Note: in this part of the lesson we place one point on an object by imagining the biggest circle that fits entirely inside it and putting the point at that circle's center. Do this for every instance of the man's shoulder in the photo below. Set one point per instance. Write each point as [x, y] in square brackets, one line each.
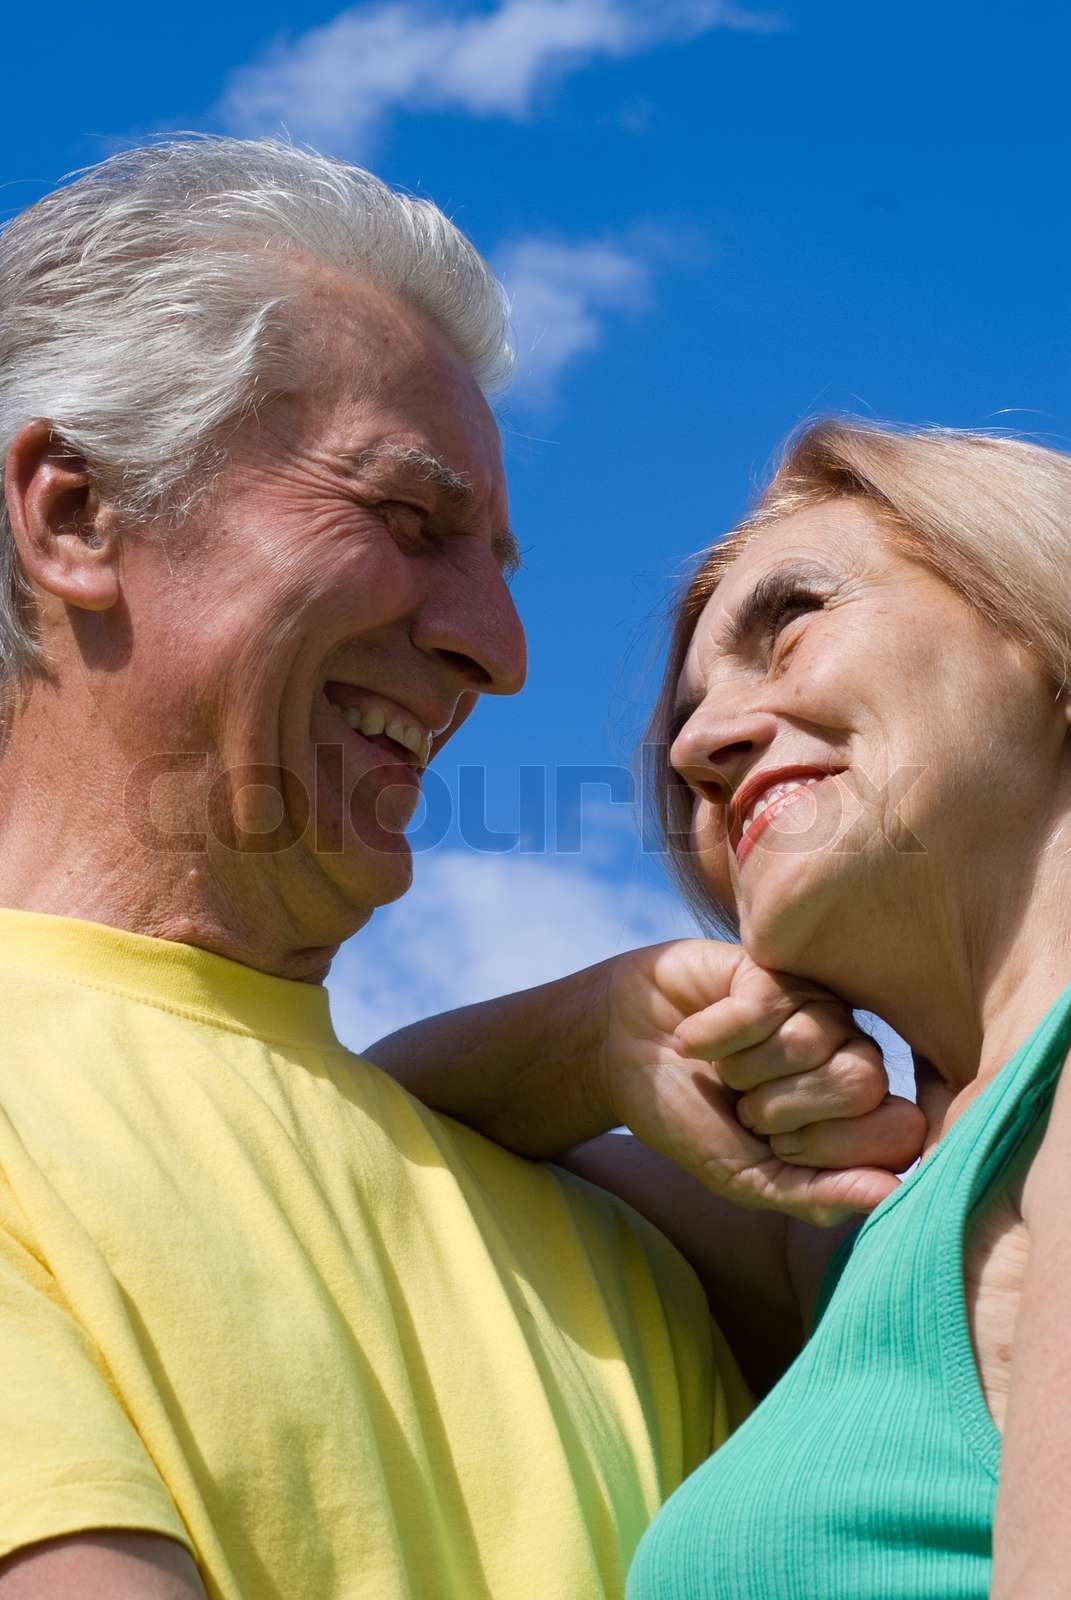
[536, 1199]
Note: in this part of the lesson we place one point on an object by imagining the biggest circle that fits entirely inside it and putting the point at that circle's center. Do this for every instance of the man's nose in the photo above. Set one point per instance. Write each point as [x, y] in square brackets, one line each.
[713, 754]
[472, 626]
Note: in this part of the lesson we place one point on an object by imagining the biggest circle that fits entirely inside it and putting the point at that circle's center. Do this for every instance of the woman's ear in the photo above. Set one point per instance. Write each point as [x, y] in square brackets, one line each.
[66, 547]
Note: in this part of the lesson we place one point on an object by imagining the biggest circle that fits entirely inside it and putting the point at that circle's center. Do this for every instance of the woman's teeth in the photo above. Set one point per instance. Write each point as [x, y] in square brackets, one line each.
[373, 722]
[776, 792]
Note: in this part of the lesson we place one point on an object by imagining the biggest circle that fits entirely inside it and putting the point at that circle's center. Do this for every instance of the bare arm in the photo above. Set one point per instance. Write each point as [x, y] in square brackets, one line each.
[673, 1041]
[758, 1084]
[1032, 1533]
[102, 1566]
[524, 1068]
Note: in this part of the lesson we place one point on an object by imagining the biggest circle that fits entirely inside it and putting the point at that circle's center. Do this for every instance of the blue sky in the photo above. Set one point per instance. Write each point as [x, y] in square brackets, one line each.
[715, 220]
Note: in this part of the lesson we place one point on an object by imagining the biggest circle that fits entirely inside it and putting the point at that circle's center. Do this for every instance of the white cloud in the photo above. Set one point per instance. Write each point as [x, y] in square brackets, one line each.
[560, 295]
[897, 1054]
[477, 925]
[334, 85]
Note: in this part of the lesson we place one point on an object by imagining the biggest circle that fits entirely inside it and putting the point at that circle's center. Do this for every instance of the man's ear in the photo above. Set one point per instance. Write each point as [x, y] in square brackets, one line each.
[66, 547]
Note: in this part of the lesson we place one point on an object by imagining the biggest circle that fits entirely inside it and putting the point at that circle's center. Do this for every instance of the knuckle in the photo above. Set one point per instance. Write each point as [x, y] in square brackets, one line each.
[826, 1213]
[815, 1032]
[736, 1074]
[763, 1114]
[860, 1081]
[902, 1115]
[868, 1054]
[910, 1114]
[912, 1127]
[830, 1018]
[767, 994]
[790, 1147]
[798, 1035]
[836, 1012]
[827, 1216]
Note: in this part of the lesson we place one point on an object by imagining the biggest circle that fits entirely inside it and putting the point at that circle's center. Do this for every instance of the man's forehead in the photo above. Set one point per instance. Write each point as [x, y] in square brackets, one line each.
[384, 361]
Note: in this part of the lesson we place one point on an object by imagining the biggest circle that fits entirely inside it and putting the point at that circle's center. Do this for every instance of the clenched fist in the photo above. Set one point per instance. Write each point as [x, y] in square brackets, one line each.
[759, 1084]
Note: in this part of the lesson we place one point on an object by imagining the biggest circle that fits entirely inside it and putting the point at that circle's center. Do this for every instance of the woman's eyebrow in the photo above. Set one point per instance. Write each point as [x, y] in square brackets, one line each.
[768, 593]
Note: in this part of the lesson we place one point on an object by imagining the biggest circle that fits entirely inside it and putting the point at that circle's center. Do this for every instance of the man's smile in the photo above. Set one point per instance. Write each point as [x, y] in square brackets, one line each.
[385, 724]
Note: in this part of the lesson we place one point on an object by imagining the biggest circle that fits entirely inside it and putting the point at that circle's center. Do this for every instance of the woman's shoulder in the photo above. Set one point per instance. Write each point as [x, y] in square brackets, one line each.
[1045, 1184]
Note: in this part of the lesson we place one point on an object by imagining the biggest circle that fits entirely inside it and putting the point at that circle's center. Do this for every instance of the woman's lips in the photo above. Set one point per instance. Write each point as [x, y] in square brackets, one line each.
[754, 831]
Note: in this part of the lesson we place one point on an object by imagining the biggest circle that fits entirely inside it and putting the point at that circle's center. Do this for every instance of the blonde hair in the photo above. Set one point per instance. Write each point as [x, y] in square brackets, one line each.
[988, 514]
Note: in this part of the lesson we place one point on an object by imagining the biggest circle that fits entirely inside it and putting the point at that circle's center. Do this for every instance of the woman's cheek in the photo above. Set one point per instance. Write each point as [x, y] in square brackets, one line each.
[711, 851]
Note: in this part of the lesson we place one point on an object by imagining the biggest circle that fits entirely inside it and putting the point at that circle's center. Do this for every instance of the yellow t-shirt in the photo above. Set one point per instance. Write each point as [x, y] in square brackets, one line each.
[256, 1297]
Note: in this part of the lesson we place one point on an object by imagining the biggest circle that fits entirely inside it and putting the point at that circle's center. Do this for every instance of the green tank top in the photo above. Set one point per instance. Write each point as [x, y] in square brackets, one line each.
[870, 1471]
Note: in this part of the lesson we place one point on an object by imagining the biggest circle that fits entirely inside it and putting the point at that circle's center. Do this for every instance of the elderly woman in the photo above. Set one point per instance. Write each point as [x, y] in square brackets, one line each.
[867, 718]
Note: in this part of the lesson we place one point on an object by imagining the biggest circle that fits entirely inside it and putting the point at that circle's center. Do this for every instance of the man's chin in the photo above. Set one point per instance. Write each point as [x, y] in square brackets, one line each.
[372, 874]
[391, 885]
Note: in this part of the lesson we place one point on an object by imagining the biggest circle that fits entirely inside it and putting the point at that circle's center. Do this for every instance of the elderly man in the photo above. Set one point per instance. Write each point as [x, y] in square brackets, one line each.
[272, 1329]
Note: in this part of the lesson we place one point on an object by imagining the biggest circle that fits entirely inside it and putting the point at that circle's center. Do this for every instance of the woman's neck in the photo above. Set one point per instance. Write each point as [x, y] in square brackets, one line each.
[964, 987]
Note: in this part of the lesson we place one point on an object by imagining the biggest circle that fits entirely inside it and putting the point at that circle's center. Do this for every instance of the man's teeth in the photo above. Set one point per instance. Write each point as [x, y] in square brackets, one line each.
[405, 734]
[775, 792]
[373, 722]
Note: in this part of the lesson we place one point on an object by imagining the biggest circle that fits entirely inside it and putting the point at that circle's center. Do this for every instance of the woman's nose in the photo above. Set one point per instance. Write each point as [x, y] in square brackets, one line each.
[713, 754]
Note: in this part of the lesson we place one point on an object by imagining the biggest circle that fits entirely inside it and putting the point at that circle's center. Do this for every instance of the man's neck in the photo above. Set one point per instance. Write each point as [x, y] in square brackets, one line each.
[70, 846]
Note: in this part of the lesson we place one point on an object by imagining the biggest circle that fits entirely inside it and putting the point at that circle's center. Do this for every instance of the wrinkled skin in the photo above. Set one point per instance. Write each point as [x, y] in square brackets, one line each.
[924, 876]
[301, 566]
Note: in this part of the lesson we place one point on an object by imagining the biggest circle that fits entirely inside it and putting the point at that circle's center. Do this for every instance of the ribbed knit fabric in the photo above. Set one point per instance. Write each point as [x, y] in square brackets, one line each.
[870, 1472]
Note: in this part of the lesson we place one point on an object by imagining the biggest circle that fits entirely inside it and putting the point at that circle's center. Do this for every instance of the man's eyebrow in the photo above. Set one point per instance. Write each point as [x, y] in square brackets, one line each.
[456, 486]
[422, 464]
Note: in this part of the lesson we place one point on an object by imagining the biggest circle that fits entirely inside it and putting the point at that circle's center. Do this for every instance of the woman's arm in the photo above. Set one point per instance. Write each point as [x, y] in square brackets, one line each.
[633, 1041]
[757, 1084]
[1032, 1534]
[525, 1068]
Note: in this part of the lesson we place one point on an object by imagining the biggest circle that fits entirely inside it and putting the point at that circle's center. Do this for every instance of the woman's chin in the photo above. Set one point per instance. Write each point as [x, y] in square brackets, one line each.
[785, 917]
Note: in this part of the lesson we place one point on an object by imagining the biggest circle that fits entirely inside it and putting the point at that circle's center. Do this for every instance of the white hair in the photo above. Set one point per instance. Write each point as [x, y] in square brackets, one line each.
[145, 313]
